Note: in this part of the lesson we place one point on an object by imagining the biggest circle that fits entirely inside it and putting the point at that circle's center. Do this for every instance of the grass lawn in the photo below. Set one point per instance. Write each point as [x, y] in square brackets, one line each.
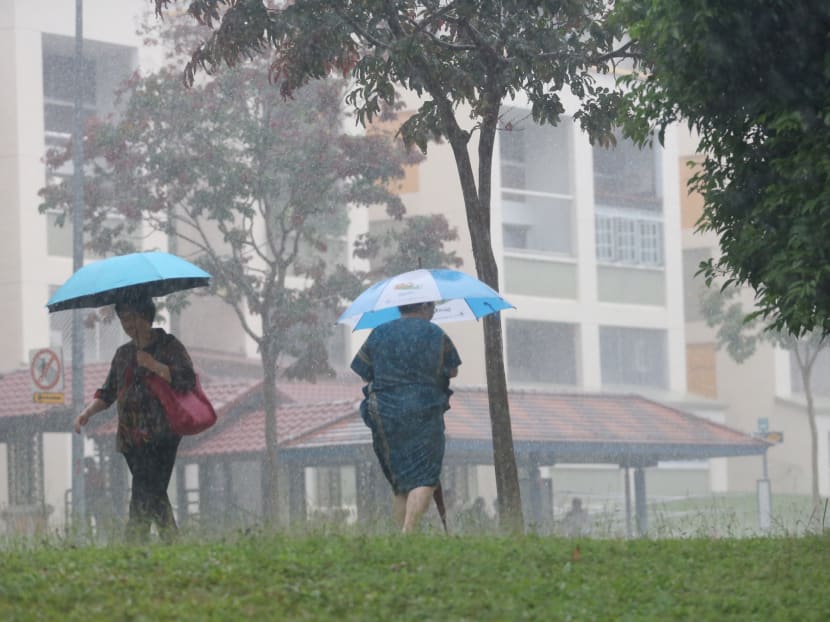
[429, 577]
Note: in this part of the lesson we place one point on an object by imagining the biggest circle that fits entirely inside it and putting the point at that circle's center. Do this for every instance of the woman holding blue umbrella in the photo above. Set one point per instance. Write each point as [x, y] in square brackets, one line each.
[407, 364]
[144, 435]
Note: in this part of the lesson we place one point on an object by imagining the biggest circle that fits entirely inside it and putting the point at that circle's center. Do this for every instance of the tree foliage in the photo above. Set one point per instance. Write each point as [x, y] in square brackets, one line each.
[256, 188]
[741, 333]
[401, 249]
[752, 78]
[462, 58]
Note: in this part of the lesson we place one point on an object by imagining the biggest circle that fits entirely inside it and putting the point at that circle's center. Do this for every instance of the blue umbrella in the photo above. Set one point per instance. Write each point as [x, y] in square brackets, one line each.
[462, 297]
[114, 279]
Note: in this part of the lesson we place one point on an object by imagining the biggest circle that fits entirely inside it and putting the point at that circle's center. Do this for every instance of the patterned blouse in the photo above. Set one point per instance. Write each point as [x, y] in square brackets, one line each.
[141, 417]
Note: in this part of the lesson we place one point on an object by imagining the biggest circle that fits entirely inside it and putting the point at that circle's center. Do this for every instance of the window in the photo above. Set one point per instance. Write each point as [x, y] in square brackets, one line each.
[332, 492]
[819, 374]
[629, 222]
[59, 123]
[626, 176]
[633, 356]
[542, 352]
[536, 189]
[103, 68]
[629, 238]
[59, 95]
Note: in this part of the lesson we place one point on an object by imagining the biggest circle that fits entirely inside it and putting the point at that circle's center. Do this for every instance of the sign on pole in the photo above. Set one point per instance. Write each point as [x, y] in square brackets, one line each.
[46, 374]
[770, 436]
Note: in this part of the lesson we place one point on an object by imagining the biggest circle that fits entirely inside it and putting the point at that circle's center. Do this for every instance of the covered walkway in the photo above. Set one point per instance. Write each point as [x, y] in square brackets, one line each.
[548, 428]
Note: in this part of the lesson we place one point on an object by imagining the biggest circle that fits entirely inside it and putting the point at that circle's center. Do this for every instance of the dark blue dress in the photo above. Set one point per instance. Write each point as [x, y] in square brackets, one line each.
[406, 363]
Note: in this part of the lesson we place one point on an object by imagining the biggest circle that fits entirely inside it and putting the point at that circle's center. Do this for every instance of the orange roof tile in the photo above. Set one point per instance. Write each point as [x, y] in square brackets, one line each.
[246, 434]
[320, 391]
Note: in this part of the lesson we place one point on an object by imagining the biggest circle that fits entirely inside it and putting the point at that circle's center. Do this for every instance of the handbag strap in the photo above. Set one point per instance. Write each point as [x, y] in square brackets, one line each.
[128, 380]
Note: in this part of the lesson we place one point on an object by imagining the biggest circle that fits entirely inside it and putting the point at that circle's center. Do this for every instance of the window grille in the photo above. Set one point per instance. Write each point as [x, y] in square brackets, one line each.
[629, 238]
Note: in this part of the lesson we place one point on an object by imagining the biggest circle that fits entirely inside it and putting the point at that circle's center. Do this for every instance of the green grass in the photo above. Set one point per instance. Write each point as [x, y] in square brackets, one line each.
[428, 577]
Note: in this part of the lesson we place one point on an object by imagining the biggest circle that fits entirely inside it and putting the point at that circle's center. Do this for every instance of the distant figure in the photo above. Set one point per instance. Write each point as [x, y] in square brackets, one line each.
[577, 522]
[475, 518]
[407, 364]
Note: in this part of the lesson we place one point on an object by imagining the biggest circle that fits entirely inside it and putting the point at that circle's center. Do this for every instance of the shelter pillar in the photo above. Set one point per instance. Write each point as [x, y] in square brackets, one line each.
[539, 504]
[640, 508]
[229, 511]
[213, 503]
[181, 495]
[627, 488]
[297, 503]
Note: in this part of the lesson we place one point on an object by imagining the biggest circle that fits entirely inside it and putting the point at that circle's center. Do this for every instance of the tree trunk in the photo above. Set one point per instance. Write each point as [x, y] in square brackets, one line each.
[477, 206]
[805, 365]
[811, 417]
[270, 476]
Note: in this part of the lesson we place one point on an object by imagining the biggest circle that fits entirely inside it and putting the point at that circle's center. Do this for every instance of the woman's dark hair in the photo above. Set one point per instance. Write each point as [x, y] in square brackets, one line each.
[144, 307]
[414, 307]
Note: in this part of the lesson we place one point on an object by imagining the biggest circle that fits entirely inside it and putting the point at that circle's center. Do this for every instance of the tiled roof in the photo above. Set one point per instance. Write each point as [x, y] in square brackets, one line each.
[246, 435]
[585, 417]
[320, 391]
[573, 426]
[348, 430]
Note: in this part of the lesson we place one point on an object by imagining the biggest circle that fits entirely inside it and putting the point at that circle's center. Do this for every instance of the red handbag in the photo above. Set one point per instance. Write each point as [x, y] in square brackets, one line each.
[188, 412]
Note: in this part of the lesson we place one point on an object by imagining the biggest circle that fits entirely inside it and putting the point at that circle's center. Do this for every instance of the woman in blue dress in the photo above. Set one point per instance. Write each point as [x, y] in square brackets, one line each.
[407, 364]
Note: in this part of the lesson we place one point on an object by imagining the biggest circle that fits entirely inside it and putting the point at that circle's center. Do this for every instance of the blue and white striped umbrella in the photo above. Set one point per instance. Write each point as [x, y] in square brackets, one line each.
[460, 297]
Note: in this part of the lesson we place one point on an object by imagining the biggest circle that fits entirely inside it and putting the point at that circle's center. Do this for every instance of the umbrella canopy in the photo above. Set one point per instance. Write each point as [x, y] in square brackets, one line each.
[462, 297]
[111, 280]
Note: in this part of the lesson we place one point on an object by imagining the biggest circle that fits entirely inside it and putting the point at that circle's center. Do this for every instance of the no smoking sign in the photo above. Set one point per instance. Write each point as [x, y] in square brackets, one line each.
[46, 370]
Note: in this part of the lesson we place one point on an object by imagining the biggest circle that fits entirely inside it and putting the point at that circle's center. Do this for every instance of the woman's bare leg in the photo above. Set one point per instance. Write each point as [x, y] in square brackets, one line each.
[417, 502]
[399, 510]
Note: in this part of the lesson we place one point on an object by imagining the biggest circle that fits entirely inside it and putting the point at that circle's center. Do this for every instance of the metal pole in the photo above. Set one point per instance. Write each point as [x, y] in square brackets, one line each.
[628, 531]
[764, 494]
[78, 492]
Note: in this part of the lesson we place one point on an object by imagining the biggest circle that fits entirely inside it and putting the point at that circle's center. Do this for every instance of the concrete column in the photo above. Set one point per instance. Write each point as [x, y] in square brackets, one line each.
[296, 492]
[640, 508]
